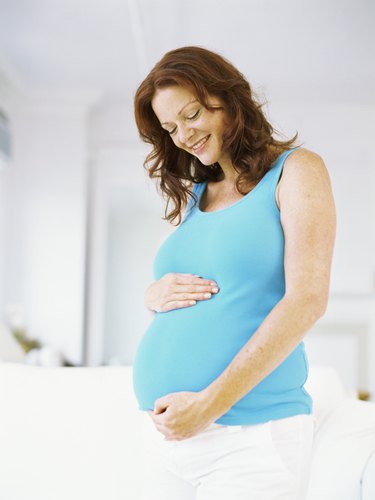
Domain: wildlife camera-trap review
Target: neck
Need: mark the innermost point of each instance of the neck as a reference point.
(230, 174)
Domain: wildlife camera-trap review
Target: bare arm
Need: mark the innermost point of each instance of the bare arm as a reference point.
(309, 222)
(308, 219)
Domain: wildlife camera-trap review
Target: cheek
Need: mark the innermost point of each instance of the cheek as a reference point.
(221, 123)
(176, 142)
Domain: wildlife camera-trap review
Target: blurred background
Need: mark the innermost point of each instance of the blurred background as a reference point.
(79, 220)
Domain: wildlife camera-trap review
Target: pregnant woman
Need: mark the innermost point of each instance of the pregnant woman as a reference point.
(220, 372)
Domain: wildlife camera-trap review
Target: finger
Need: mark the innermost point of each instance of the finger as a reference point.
(178, 304)
(161, 405)
(185, 295)
(197, 288)
(198, 294)
(193, 279)
(160, 409)
(189, 300)
(161, 428)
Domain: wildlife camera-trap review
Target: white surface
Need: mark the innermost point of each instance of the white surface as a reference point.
(74, 433)
(44, 229)
(68, 433)
(108, 45)
(70, 48)
(322, 348)
(368, 479)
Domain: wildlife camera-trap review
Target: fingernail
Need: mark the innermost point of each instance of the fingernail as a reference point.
(215, 290)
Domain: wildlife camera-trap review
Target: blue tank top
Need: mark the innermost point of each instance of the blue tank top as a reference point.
(241, 247)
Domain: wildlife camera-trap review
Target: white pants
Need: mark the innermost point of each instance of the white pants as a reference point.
(267, 461)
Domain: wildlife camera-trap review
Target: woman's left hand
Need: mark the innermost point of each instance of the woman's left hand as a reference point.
(181, 415)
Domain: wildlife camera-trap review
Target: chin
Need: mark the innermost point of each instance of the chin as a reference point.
(207, 161)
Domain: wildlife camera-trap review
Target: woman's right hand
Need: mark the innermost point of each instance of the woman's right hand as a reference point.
(175, 291)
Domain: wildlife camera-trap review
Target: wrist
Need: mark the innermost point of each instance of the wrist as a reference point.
(214, 403)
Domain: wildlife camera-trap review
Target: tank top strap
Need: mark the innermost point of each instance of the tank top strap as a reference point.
(271, 180)
(197, 188)
(277, 168)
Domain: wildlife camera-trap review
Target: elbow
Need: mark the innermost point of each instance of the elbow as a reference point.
(314, 308)
(319, 301)
(310, 306)
(320, 306)
(317, 306)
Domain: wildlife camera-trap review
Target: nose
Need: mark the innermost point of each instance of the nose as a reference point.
(184, 134)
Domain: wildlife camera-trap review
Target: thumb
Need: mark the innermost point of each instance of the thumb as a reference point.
(161, 405)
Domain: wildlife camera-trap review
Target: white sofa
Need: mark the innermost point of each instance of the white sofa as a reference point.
(74, 434)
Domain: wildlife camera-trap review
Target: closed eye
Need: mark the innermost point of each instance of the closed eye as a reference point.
(192, 117)
(171, 132)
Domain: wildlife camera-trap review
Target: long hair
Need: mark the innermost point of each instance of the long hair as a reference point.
(248, 137)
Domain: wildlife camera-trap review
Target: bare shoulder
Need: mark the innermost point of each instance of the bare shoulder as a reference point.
(305, 173)
(304, 163)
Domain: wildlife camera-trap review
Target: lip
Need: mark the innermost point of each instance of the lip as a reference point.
(197, 150)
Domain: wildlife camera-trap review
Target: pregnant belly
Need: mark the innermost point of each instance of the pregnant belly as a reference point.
(184, 350)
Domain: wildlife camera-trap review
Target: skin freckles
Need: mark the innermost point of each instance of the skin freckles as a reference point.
(188, 122)
(307, 213)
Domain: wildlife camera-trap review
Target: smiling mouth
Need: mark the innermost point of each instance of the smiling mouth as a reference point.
(199, 144)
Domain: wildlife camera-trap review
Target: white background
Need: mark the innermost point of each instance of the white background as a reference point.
(79, 220)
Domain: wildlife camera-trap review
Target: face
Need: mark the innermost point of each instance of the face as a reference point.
(192, 127)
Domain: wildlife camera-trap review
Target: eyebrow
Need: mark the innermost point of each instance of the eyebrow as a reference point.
(181, 110)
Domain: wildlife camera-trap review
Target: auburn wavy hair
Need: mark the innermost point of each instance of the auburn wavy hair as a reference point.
(248, 137)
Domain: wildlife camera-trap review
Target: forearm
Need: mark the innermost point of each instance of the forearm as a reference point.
(277, 336)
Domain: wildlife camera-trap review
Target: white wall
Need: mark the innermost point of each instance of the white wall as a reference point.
(43, 224)
(8, 96)
(341, 134)
(45, 219)
(2, 232)
(3, 216)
